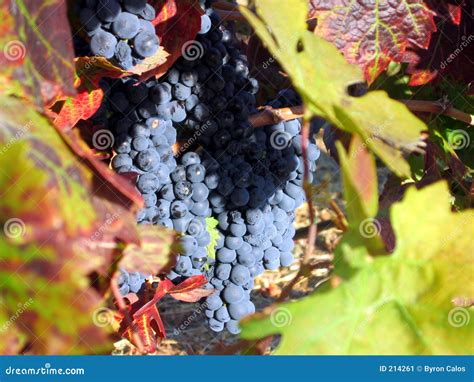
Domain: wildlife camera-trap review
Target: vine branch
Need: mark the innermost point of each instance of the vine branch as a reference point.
(269, 115)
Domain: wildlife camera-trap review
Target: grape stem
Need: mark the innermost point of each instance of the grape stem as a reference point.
(437, 107)
(126, 315)
(269, 116)
(226, 15)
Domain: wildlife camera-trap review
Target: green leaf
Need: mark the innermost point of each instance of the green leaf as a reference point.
(211, 226)
(48, 170)
(322, 76)
(398, 304)
(359, 176)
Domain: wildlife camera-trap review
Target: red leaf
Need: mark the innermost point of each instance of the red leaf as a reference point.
(37, 48)
(177, 22)
(82, 106)
(451, 50)
(147, 322)
(455, 13)
(190, 291)
(372, 34)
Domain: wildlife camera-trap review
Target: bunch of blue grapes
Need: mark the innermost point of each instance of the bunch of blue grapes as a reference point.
(211, 87)
(120, 30)
(130, 282)
(257, 183)
(183, 206)
(173, 189)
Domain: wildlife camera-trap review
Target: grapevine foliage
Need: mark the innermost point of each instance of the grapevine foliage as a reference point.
(372, 34)
(385, 125)
(69, 239)
(405, 298)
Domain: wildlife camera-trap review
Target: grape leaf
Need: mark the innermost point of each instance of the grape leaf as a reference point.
(154, 253)
(211, 226)
(177, 22)
(82, 106)
(359, 177)
(372, 34)
(147, 322)
(450, 52)
(322, 77)
(190, 289)
(404, 299)
(36, 48)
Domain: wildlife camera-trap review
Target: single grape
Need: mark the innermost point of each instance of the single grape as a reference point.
(108, 10)
(146, 44)
(233, 294)
(226, 255)
(147, 160)
(126, 25)
(195, 172)
(103, 44)
(213, 302)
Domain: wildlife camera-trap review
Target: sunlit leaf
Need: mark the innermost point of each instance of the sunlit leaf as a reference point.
(323, 77)
(397, 304)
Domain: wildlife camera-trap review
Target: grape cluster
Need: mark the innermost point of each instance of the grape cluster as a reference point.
(211, 87)
(183, 206)
(130, 282)
(257, 189)
(249, 179)
(174, 192)
(120, 30)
